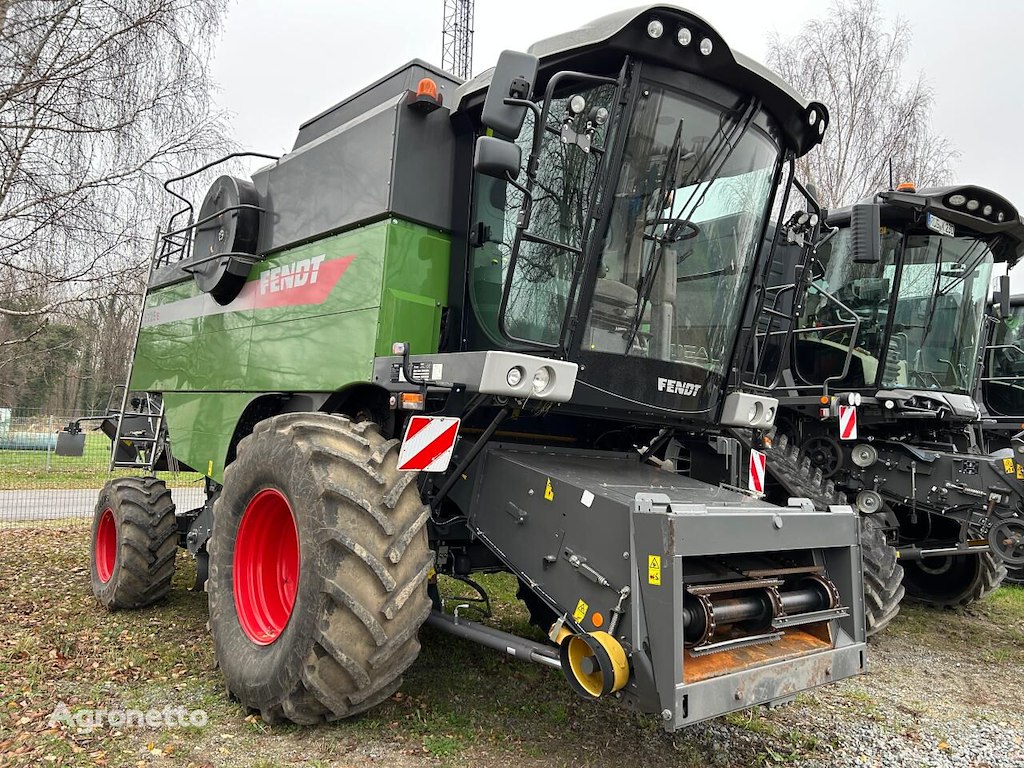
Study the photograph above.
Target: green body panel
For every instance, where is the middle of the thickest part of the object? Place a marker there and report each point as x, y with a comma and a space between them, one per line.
415, 288
201, 424
375, 285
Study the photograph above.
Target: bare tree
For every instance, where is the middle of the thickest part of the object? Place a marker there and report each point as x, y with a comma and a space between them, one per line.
100, 100
852, 61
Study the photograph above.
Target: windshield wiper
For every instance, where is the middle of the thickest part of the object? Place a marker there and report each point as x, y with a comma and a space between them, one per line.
936, 293
729, 141
968, 270
645, 285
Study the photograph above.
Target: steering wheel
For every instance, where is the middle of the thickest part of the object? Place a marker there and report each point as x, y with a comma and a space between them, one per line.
840, 336
677, 231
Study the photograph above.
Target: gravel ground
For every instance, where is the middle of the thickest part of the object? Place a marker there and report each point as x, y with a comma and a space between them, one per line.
931, 698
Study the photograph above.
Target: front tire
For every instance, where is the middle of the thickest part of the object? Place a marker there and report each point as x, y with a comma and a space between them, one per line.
318, 569
134, 543
883, 576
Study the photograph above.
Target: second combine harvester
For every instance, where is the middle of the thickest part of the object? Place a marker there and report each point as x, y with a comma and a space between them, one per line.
877, 401
553, 261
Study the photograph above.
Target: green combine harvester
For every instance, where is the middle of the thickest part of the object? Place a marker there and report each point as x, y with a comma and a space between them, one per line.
492, 326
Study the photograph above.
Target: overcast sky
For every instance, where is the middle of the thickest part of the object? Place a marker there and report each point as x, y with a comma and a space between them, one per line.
279, 64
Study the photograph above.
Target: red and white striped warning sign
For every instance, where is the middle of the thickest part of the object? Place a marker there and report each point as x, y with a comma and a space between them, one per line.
755, 474
428, 443
847, 422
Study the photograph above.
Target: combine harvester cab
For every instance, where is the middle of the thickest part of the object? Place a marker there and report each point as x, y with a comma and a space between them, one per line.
553, 261
1001, 394
877, 402
1001, 385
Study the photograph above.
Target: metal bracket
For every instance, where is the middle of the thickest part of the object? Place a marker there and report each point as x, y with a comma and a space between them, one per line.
579, 562
815, 617
738, 642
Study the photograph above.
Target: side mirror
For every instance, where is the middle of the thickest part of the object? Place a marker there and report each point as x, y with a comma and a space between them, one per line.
867, 241
1004, 295
513, 77
497, 157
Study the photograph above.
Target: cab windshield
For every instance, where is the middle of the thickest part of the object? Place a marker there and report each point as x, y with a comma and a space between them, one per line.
693, 189
688, 210
921, 311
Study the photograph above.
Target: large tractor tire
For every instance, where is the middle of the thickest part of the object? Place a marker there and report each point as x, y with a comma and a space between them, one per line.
134, 543
953, 582
1015, 577
883, 575
318, 569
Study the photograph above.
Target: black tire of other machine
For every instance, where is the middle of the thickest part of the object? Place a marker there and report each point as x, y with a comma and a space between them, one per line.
953, 582
883, 574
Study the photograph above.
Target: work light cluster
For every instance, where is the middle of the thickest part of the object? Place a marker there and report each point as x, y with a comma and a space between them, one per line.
973, 205
684, 36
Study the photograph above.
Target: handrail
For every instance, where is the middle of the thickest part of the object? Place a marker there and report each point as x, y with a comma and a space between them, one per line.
188, 203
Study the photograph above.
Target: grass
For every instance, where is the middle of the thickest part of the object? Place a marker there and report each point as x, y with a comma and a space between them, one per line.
461, 704
26, 470
993, 630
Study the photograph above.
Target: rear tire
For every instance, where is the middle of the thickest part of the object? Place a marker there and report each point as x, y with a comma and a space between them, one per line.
134, 543
339, 638
1014, 577
953, 582
883, 576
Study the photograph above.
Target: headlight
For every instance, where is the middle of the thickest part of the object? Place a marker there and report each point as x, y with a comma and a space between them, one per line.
684, 36
541, 380
514, 377
769, 415
987, 210
577, 104
957, 200
972, 205
655, 29
706, 46
754, 413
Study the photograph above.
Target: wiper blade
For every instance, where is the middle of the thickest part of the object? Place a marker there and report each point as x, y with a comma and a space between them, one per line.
645, 284
707, 177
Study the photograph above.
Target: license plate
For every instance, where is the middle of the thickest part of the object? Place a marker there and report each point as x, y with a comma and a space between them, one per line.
943, 227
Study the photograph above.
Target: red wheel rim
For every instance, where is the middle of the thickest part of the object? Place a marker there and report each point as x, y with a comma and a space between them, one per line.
106, 545
266, 566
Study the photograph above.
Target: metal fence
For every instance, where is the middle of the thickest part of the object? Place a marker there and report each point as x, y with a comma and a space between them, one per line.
39, 487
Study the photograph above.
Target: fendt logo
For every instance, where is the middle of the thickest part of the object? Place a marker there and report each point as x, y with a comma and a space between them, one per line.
294, 275
675, 387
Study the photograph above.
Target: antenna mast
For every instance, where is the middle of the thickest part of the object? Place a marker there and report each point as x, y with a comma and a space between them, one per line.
457, 38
